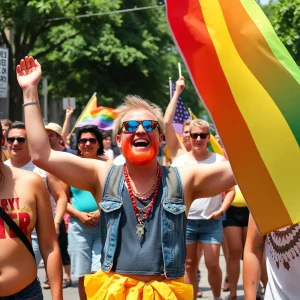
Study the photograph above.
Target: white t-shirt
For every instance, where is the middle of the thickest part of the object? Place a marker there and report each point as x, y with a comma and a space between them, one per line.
33, 168
110, 154
119, 160
283, 264
201, 208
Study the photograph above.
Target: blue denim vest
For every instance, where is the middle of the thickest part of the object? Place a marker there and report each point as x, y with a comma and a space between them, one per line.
173, 229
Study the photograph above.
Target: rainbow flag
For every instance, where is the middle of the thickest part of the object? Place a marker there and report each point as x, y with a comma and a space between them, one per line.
250, 84
101, 116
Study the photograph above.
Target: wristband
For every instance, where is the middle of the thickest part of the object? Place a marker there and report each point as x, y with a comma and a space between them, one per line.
31, 103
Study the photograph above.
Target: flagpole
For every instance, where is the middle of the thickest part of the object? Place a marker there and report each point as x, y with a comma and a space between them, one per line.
170, 88
190, 112
82, 113
179, 70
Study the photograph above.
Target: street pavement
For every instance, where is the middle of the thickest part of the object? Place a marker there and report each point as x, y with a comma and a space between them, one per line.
71, 293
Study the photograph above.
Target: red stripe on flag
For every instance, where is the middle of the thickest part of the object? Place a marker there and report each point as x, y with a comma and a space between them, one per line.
193, 39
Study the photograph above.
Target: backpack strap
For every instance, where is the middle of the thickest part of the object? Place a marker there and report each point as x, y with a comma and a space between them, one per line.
16, 229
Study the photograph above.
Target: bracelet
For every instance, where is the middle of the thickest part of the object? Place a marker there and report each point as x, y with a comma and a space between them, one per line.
31, 103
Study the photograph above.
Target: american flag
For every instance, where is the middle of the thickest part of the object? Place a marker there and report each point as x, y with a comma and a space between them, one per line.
181, 114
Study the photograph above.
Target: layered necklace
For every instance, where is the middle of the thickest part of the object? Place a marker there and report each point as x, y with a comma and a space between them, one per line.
140, 227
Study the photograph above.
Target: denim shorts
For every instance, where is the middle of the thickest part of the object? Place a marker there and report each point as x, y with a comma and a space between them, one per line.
32, 292
204, 231
84, 248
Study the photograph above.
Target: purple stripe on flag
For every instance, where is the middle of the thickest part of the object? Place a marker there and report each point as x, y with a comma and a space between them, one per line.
178, 128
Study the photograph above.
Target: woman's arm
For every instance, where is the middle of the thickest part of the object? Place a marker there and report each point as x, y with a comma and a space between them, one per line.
253, 255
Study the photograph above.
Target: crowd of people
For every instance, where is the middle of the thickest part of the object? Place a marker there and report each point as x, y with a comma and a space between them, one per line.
132, 222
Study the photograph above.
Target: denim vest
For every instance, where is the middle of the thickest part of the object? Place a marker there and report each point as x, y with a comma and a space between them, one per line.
173, 229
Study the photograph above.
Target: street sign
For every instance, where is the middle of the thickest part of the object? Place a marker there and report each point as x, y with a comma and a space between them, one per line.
69, 102
3, 72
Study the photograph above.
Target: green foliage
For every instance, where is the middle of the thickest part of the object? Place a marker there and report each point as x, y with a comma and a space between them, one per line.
113, 54
286, 22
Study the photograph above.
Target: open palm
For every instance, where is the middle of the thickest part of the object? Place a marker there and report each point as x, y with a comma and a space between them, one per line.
29, 72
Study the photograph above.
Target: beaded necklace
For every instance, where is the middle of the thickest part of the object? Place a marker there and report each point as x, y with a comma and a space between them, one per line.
140, 227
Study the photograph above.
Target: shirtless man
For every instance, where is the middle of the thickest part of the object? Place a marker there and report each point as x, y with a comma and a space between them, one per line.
156, 266
24, 197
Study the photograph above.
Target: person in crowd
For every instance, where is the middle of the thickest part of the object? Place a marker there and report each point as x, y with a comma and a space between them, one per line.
107, 145
204, 226
84, 226
20, 158
54, 132
65, 132
24, 198
142, 207
176, 147
6, 123
235, 226
56, 141
282, 259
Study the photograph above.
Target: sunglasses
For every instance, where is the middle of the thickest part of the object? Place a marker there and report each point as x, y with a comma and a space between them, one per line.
91, 140
132, 126
20, 140
203, 136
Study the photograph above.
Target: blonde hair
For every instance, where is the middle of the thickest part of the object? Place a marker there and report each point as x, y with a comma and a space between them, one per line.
132, 102
199, 123
186, 123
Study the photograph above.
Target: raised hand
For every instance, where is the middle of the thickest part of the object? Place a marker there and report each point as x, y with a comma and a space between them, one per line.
180, 85
69, 111
29, 72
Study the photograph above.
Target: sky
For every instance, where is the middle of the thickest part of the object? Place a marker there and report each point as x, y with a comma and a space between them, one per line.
264, 1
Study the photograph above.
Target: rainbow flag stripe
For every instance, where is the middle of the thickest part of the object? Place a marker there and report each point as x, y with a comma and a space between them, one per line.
214, 146
101, 116
250, 85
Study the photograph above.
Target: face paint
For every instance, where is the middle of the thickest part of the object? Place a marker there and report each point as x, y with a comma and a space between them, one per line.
140, 158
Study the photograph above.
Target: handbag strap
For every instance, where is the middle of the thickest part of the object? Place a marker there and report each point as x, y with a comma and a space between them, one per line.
16, 229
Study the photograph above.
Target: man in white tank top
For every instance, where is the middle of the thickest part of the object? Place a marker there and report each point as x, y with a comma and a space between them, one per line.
282, 258
204, 229
20, 158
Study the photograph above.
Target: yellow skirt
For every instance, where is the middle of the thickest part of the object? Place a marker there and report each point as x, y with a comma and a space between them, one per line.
111, 286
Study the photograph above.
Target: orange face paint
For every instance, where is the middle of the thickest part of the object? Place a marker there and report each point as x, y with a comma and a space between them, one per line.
140, 158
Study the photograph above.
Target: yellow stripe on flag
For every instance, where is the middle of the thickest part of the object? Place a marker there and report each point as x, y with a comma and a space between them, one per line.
257, 106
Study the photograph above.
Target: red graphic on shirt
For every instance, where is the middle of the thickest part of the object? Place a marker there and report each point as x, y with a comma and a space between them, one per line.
21, 218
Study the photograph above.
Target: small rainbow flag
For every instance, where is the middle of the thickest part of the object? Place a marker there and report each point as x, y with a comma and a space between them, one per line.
101, 116
251, 86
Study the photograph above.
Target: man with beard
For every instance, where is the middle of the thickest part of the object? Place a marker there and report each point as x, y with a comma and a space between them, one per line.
24, 198
142, 207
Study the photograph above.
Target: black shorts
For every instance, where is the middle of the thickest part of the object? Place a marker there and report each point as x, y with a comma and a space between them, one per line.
236, 216
63, 244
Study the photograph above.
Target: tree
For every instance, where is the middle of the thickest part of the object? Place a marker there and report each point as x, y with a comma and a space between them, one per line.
286, 22
113, 54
